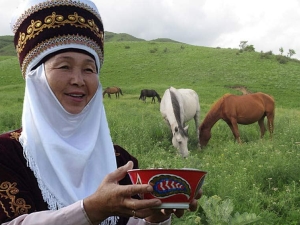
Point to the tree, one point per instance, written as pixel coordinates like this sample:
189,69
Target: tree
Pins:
245,47
290,53
281,50
243,44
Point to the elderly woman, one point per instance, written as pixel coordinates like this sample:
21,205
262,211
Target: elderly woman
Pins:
61,167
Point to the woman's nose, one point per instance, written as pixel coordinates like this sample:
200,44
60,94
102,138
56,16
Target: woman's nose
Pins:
77,78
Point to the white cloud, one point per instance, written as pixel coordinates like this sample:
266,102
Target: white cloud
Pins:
7,9
266,24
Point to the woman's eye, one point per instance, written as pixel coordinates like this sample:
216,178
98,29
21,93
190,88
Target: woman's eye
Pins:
64,67
90,70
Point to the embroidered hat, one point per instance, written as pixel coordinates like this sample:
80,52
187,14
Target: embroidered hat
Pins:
42,27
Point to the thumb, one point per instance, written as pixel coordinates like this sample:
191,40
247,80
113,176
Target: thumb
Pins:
126,167
120,172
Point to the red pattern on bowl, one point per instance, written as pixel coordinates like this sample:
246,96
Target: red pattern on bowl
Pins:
174,187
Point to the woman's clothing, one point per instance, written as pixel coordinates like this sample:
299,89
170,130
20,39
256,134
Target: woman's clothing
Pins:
58,158
70,215
19,191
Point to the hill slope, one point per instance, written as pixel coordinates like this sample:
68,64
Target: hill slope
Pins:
7,46
135,65
139,65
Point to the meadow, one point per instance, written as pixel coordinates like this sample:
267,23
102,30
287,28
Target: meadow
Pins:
256,182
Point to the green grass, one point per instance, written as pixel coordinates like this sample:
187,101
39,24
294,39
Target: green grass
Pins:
259,177
6,46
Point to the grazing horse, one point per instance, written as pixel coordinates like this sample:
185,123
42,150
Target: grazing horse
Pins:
149,93
177,107
112,90
239,109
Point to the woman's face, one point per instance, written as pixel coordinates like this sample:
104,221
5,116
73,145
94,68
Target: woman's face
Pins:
73,78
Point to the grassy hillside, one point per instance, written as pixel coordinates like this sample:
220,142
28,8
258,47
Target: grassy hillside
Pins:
258,179
113,37
207,70
7,46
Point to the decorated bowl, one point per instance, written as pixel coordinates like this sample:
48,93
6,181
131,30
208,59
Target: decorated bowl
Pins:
174,187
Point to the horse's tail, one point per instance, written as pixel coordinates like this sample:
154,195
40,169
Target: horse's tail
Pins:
120,91
103,93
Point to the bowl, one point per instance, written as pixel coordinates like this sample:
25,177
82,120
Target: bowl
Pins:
174,187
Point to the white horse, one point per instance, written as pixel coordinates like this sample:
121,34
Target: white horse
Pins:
177,107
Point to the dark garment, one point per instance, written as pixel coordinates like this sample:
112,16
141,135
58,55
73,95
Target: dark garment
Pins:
19,191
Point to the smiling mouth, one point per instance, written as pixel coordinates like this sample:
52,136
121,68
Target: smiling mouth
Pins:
76,95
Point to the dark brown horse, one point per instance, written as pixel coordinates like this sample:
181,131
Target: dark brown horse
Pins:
234,110
149,93
112,90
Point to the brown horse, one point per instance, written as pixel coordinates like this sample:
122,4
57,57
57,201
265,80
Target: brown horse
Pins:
112,90
234,110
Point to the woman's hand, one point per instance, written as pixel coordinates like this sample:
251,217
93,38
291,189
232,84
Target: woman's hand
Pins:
112,199
163,214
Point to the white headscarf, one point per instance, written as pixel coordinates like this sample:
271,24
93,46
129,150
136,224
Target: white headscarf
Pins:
69,153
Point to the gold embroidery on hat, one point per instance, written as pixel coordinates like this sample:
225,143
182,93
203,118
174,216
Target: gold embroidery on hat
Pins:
15,135
49,4
54,21
18,206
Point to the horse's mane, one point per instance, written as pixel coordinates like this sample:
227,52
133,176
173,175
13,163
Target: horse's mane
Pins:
217,103
216,106
176,110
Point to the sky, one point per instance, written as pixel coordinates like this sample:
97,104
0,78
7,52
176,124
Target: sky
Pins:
266,24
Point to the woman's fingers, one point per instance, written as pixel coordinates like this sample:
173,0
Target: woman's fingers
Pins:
179,213
193,205
118,200
141,213
199,194
136,204
119,173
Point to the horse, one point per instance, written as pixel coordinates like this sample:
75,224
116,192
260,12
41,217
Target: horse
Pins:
239,109
112,90
177,107
149,93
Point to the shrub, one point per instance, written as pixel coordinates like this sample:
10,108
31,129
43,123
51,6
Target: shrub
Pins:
249,48
218,211
282,59
265,55
153,50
